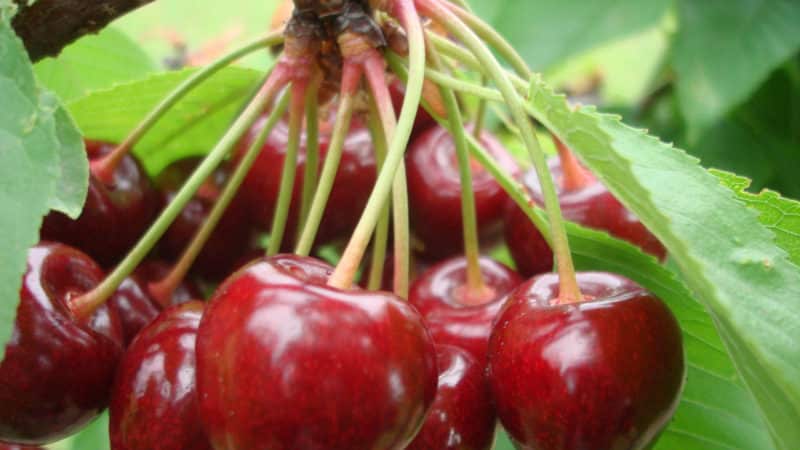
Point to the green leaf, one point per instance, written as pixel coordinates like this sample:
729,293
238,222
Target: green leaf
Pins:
94,62
546,32
781,215
94,437
744,41
189,128
40,152
727,258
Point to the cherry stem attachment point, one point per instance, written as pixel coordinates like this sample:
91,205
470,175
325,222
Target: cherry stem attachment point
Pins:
104,168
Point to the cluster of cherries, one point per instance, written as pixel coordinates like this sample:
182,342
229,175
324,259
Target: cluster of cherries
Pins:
277,359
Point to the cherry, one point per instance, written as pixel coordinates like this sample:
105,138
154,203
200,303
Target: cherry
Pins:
115,215
57,371
453,316
154,400
605,373
278,270
307,366
233,234
352,185
434,190
589,203
462,416
134,303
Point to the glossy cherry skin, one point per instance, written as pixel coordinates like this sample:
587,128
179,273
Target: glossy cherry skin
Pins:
452,318
434,192
352,185
592,206
154,401
233,234
282,269
462,416
284,367
136,307
603,374
57,371
114,216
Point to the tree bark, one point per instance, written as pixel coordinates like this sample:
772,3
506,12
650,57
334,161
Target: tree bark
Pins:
48,26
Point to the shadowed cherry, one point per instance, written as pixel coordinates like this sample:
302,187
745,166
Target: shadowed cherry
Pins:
57,371
306,366
114,216
462,416
451,315
602,374
154,401
434,191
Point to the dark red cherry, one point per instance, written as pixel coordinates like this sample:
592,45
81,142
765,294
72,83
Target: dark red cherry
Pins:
352,186
135,305
591,205
453,315
233,234
602,374
57,371
279,270
434,190
462,416
154,401
115,215
306,366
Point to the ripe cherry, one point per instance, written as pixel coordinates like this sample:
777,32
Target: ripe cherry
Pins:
57,371
583,200
462,416
434,190
233,234
602,374
115,215
307,366
154,401
452,316
352,185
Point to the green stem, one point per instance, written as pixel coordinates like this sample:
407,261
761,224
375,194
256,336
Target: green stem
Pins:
281,216
104,168
402,233
475,282
344,273
163,289
85,305
312,151
480,114
569,290
381,236
328,175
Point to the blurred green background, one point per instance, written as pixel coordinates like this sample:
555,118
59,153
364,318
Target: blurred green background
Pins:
720,79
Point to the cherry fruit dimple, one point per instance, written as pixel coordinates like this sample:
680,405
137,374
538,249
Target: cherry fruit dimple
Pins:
602,374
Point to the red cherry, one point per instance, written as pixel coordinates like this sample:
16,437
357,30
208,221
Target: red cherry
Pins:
462,416
451,316
434,190
57,371
591,205
602,374
114,216
279,270
134,304
232,236
154,401
307,366
352,186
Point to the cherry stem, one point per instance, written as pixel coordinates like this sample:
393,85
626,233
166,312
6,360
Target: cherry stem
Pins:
569,290
281,215
351,75
345,271
163,290
104,168
375,69
475,283
312,150
381,237
83,306
575,176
